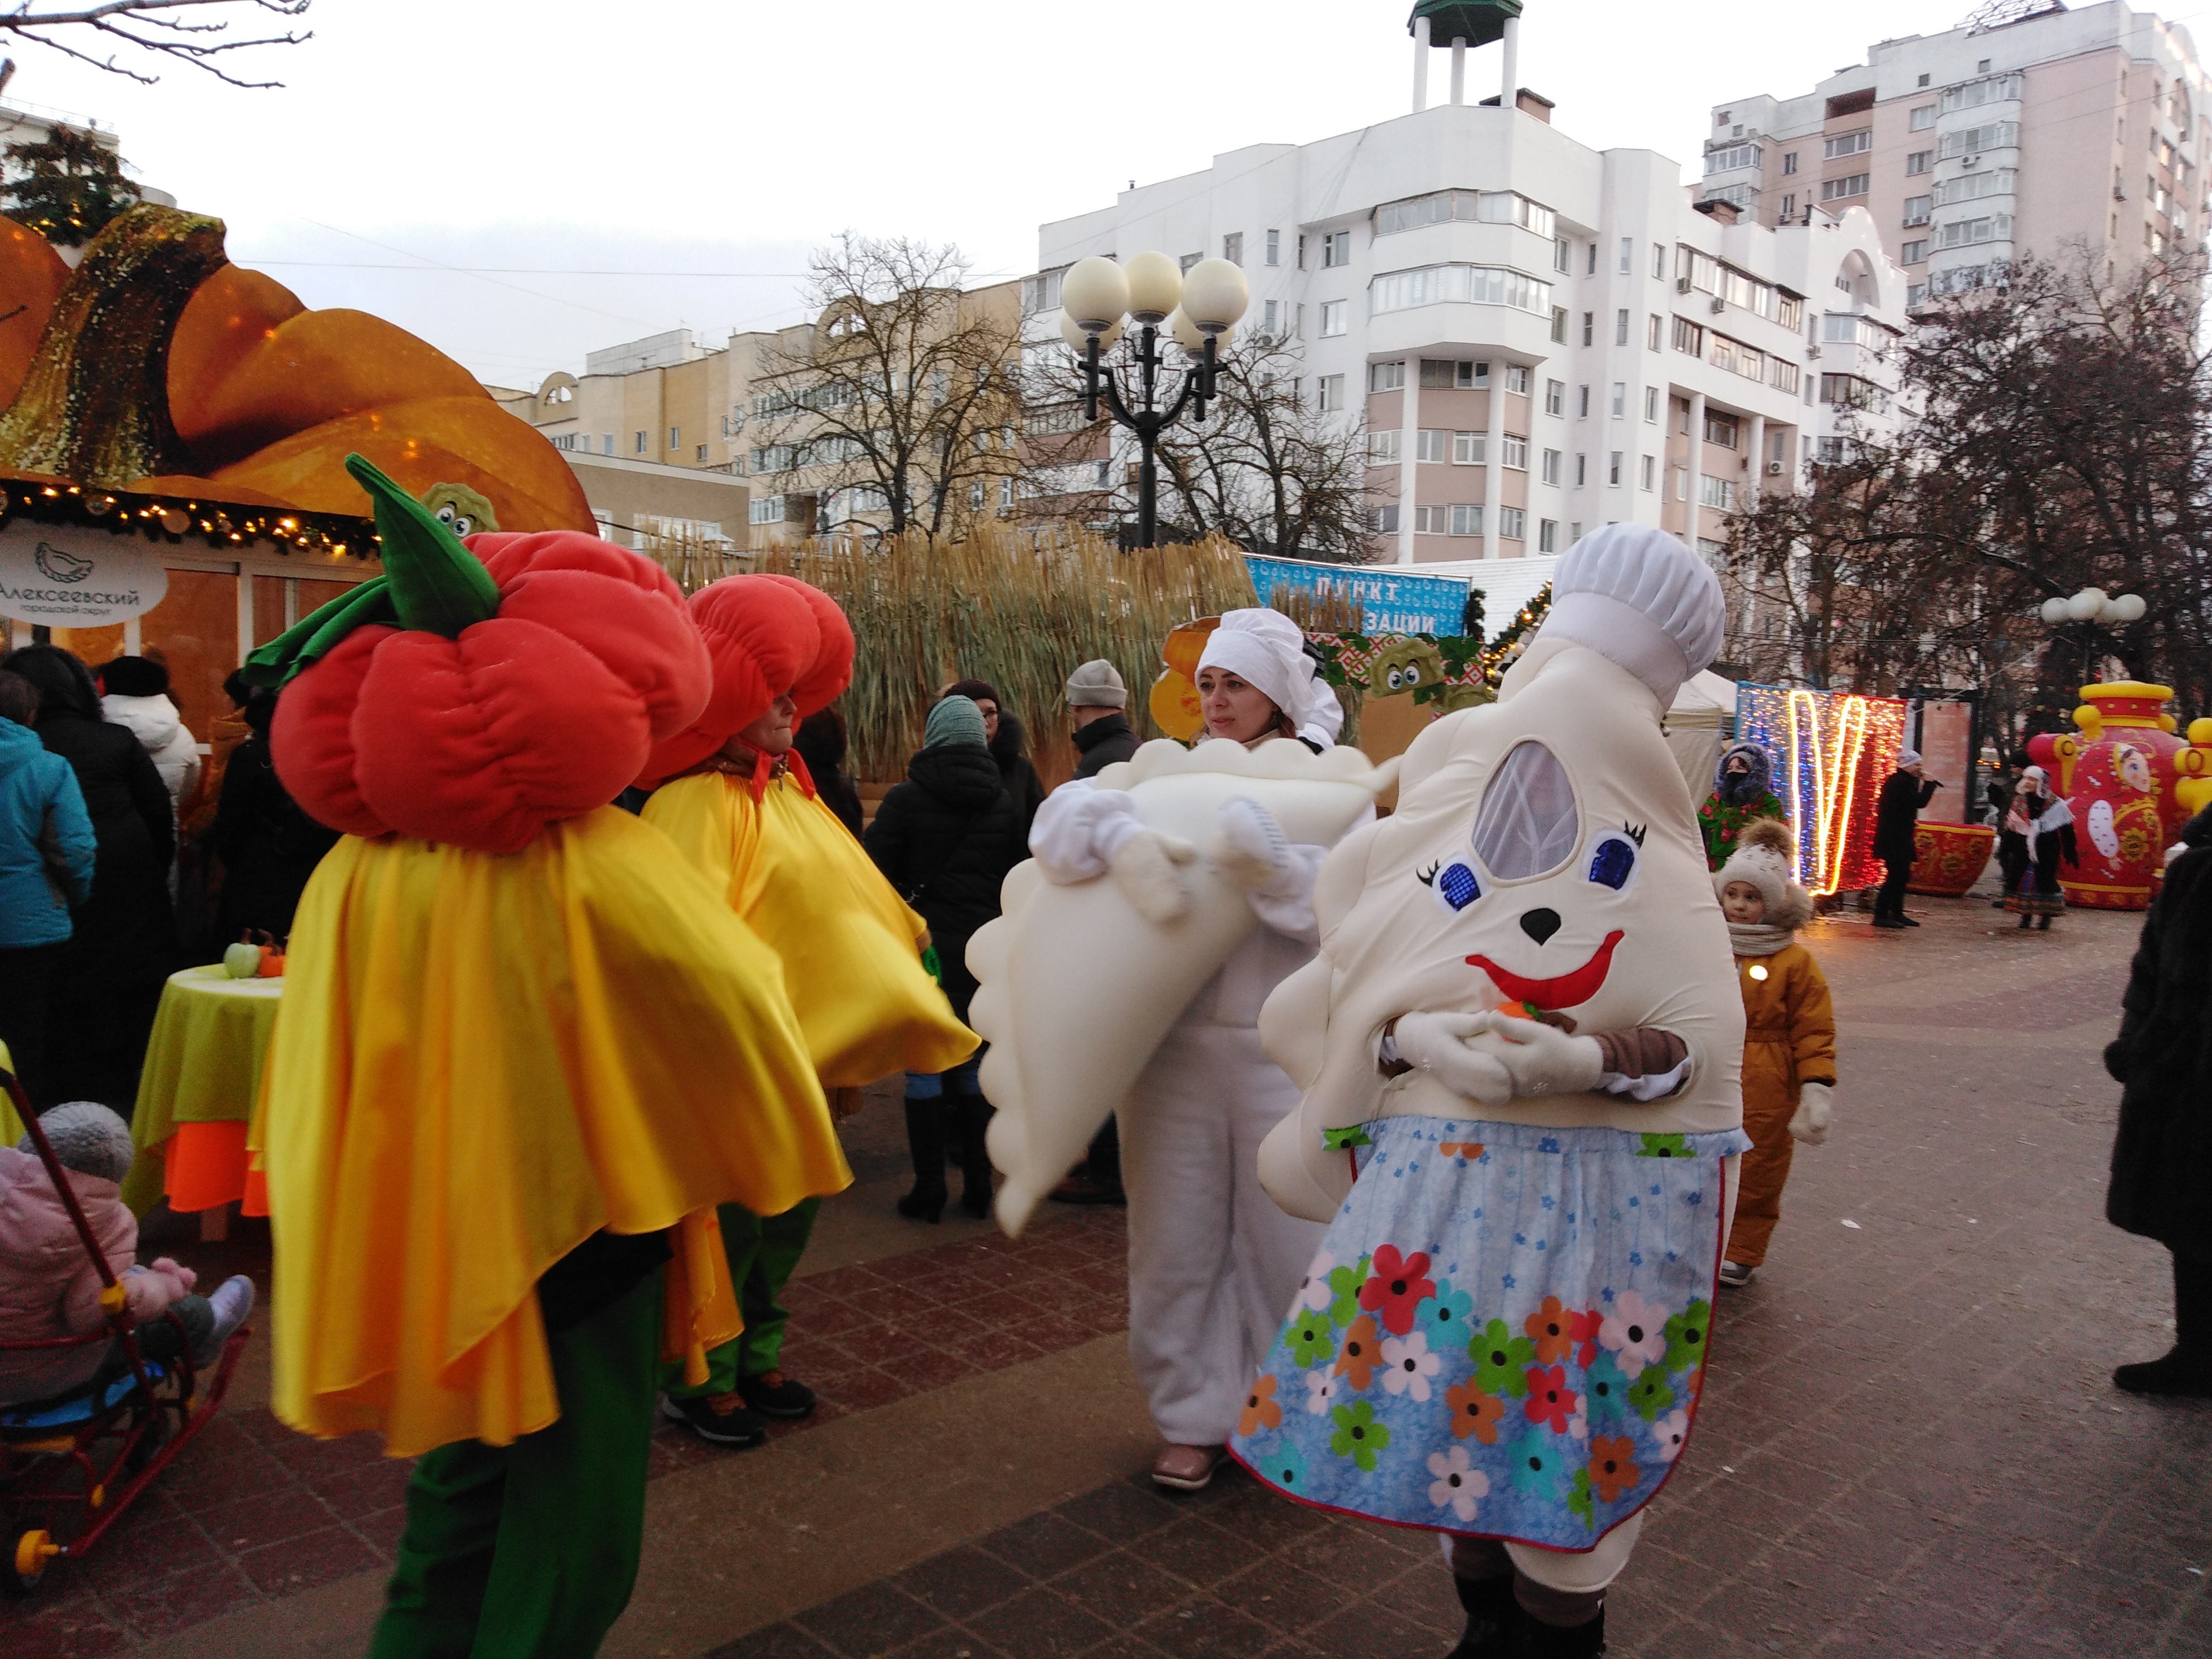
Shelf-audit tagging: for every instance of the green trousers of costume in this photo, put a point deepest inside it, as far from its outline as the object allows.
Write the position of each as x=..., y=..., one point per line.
x=763, y=1252
x=530, y=1551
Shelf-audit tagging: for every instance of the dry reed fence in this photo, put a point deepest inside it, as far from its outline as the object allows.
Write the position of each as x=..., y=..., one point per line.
x=1017, y=608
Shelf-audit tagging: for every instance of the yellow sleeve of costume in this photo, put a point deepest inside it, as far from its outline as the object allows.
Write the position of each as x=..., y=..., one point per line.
x=481, y=1059
x=851, y=948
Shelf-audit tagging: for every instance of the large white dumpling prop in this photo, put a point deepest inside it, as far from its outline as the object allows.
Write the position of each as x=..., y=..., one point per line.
x=1542, y=854
x=1077, y=990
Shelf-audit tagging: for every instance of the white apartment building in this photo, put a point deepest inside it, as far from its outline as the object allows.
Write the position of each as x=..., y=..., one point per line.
x=2028, y=128
x=1540, y=337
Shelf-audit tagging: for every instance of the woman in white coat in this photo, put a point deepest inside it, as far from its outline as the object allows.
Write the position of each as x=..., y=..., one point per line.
x=1213, y=1262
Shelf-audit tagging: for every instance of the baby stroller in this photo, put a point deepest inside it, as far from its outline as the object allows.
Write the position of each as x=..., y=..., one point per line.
x=72, y=1465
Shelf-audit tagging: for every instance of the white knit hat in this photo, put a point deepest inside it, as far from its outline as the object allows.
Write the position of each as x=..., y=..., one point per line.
x=1763, y=856
x=86, y=1137
x=1639, y=597
x=1267, y=651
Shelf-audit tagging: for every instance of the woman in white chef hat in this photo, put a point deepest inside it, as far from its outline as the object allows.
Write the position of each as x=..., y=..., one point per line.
x=1213, y=1261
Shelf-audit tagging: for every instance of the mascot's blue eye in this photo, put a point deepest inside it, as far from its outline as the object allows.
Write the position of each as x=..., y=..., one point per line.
x=1612, y=863
x=1458, y=886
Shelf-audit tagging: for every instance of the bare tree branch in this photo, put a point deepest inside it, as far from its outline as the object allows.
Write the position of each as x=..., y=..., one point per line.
x=149, y=26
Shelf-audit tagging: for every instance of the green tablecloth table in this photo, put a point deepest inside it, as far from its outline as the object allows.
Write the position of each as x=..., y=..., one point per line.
x=203, y=1066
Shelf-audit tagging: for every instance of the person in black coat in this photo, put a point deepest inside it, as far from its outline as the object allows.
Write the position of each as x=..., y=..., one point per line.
x=268, y=847
x=2013, y=854
x=1006, y=740
x=2162, y=1157
x=945, y=839
x=820, y=744
x=123, y=940
x=1903, y=795
x=1096, y=702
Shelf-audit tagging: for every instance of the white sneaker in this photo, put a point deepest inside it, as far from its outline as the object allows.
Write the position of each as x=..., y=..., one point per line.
x=233, y=1304
x=1734, y=1275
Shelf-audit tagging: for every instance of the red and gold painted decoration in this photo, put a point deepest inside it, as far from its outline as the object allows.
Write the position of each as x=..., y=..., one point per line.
x=1947, y=859
x=2132, y=782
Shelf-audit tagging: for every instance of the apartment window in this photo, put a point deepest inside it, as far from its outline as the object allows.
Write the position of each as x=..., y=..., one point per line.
x=1274, y=247
x=637, y=442
x=1965, y=233
x=1589, y=263
x=1581, y=400
x=1647, y=472
x=1627, y=255
x=1612, y=468
x=1923, y=118
x=1918, y=209
x=1919, y=162
x=1232, y=247
x=1555, y=397
x=1187, y=260
x=1334, y=318
x=1270, y=318
x=1386, y=520
x=1689, y=337
x=1789, y=206
x=1559, y=325
x=1516, y=377
x=1551, y=472
x=1847, y=143
x=1431, y=444
x=1481, y=285
x=1582, y=471
x=1997, y=135
x=1973, y=94
x=675, y=437
x=1332, y=393
x=1547, y=535
x=975, y=496
x=1651, y=405
x=702, y=454
x=765, y=509
x=1790, y=163
x=1838, y=190
x=1682, y=483
x=1922, y=82
x=1652, y=331
x=1383, y=446
x=1467, y=521
x=1620, y=327
x=1005, y=495
x=1561, y=250
x=1913, y=253
x=1590, y=328
x=1514, y=452
x=1720, y=430
x=1469, y=449
x=1512, y=523
x=606, y=443
x=1386, y=377
x=1431, y=520
x=1335, y=250
x=1619, y=398
x=1716, y=492
x=1658, y=262
x=1574, y=532
x=1447, y=375
x=1996, y=181
x=1302, y=250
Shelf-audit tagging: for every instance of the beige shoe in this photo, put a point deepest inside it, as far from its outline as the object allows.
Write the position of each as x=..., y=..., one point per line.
x=1187, y=1469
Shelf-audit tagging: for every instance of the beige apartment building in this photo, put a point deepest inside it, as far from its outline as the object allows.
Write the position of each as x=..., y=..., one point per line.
x=668, y=404
x=2029, y=129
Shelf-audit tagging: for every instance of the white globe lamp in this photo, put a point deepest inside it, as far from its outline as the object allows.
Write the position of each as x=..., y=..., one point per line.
x=2055, y=612
x=2086, y=605
x=1155, y=288
x=1076, y=334
x=2128, y=608
x=1215, y=295
x=1095, y=292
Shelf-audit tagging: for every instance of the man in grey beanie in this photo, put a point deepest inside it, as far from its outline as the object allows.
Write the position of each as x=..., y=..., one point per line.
x=1096, y=698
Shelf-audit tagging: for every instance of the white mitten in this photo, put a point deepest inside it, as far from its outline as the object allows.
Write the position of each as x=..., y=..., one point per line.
x=1437, y=1044
x=1248, y=846
x=1542, y=1060
x=1816, y=1106
x=1146, y=868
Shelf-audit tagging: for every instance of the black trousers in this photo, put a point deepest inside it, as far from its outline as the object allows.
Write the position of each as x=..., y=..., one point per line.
x=1890, y=902
x=26, y=980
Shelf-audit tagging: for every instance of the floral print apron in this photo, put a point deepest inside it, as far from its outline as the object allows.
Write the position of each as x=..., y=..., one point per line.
x=1504, y=1333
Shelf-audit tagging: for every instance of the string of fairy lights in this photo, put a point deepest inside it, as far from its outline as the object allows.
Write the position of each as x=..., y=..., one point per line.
x=1830, y=749
x=173, y=520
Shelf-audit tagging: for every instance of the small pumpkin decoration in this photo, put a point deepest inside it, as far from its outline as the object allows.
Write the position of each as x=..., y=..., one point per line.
x=474, y=694
x=161, y=366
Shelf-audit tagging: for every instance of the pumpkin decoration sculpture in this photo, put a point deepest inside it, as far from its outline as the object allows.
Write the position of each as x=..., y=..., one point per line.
x=2132, y=783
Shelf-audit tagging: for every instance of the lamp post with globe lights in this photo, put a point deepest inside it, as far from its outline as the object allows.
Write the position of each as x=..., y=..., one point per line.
x=2089, y=610
x=1198, y=308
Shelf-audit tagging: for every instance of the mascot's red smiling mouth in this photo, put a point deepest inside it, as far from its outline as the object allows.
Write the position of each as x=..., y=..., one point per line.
x=1567, y=991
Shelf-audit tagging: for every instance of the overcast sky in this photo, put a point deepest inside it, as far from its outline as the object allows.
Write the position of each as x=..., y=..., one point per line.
x=520, y=183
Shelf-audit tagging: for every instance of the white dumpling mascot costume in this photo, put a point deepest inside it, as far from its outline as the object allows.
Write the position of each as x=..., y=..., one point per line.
x=1166, y=899
x=1522, y=1033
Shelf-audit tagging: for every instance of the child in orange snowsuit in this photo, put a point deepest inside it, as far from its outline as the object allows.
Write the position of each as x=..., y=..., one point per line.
x=1790, y=1032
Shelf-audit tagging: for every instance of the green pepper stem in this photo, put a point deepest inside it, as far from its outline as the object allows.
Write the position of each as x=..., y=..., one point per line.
x=438, y=586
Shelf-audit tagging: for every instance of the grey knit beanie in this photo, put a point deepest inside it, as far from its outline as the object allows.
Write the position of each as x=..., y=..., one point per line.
x=1096, y=684
x=86, y=1138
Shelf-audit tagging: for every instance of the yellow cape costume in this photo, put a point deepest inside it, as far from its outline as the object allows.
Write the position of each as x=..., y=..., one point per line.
x=481, y=1059
x=851, y=948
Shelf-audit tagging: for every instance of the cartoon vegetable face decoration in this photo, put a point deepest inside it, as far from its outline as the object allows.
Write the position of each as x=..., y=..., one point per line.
x=475, y=693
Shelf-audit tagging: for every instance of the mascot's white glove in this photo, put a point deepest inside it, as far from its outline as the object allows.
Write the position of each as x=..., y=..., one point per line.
x=1437, y=1044
x=1248, y=846
x=1542, y=1060
x=1816, y=1108
x=1147, y=867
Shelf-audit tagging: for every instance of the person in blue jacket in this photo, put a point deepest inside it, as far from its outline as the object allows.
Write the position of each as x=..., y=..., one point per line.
x=45, y=869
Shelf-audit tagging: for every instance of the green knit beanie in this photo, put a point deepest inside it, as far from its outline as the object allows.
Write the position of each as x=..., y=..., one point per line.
x=957, y=720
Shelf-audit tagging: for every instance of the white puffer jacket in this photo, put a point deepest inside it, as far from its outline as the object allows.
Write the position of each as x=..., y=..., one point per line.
x=154, y=722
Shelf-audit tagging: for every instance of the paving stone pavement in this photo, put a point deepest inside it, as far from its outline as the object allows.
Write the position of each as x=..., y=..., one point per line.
x=1908, y=1444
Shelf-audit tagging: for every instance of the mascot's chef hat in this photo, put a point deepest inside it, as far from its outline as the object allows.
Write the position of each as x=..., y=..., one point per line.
x=767, y=635
x=1639, y=597
x=1267, y=651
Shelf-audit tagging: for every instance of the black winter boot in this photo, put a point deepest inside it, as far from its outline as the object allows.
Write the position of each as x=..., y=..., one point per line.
x=925, y=1144
x=976, y=1114
x=1491, y=1616
x=1534, y=1639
